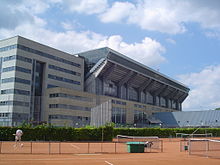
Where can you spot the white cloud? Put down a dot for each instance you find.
(213, 34)
(148, 51)
(205, 89)
(165, 16)
(87, 6)
(37, 7)
(117, 12)
(67, 25)
(11, 15)
(154, 15)
(171, 41)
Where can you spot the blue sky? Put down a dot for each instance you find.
(180, 38)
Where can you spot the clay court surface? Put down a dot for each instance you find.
(171, 155)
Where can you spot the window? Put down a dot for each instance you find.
(139, 106)
(17, 68)
(6, 48)
(118, 102)
(18, 57)
(4, 115)
(40, 53)
(63, 70)
(74, 97)
(118, 115)
(51, 86)
(9, 58)
(140, 117)
(14, 103)
(133, 95)
(63, 79)
(72, 107)
(16, 79)
(15, 91)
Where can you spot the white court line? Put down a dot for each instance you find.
(87, 154)
(75, 146)
(108, 163)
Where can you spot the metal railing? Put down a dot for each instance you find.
(54, 147)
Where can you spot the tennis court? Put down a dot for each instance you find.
(171, 155)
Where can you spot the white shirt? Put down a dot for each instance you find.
(19, 132)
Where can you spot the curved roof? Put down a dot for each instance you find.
(109, 64)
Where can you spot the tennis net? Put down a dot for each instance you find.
(124, 138)
(156, 143)
(204, 147)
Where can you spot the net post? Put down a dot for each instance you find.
(115, 147)
(1, 147)
(207, 147)
(31, 147)
(49, 147)
(189, 146)
(88, 147)
(59, 147)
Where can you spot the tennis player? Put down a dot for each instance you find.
(18, 135)
(148, 144)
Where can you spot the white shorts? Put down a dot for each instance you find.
(18, 138)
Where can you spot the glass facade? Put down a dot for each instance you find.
(140, 117)
(76, 121)
(0, 69)
(14, 103)
(118, 115)
(16, 79)
(63, 70)
(133, 94)
(7, 48)
(37, 91)
(49, 56)
(58, 78)
(74, 97)
(110, 89)
(15, 91)
(72, 107)
(16, 68)
(17, 57)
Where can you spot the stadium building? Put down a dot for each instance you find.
(41, 84)
(206, 118)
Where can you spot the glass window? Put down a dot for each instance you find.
(17, 68)
(63, 70)
(6, 48)
(63, 79)
(74, 97)
(40, 53)
(133, 94)
(23, 81)
(15, 91)
(118, 115)
(140, 117)
(72, 107)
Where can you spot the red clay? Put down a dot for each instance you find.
(170, 155)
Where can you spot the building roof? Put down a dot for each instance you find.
(112, 65)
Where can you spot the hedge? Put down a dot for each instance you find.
(45, 133)
(105, 133)
(163, 132)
